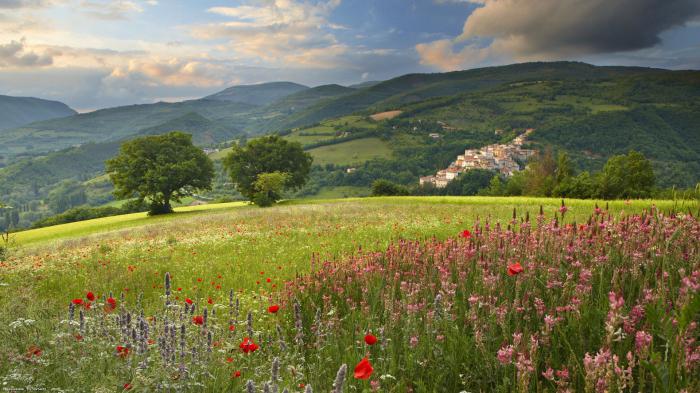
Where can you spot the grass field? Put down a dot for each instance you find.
(83, 228)
(351, 152)
(342, 192)
(255, 252)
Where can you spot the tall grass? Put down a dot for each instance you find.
(606, 300)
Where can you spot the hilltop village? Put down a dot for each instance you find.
(501, 158)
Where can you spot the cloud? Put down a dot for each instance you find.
(171, 72)
(15, 54)
(278, 32)
(553, 29)
(110, 9)
(15, 4)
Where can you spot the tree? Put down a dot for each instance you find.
(469, 182)
(626, 176)
(269, 188)
(495, 187)
(382, 187)
(581, 186)
(540, 177)
(564, 169)
(267, 155)
(160, 169)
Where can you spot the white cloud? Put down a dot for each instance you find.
(172, 72)
(110, 9)
(282, 32)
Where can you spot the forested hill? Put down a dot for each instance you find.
(18, 111)
(590, 112)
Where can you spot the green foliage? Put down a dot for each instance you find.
(582, 186)
(267, 155)
(495, 187)
(161, 169)
(626, 176)
(269, 187)
(68, 194)
(382, 187)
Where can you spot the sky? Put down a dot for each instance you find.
(95, 54)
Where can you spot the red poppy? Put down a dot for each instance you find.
(236, 374)
(465, 234)
(370, 339)
(77, 301)
(248, 345)
(127, 386)
(111, 303)
(198, 320)
(515, 269)
(268, 280)
(33, 350)
(210, 301)
(90, 296)
(231, 328)
(273, 309)
(188, 301)
(229, 359)
(78, 337)
(122, 351)
(364, 369)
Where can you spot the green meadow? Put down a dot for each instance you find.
(209, 250)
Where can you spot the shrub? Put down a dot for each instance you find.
(383, 187)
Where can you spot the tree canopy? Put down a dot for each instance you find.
(268, 155)
(160, 169)
(627, 176)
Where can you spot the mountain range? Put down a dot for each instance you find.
(18, 111)
(589, 111)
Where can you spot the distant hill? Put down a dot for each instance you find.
(364, 85)
(418, 87)
(117, 123)
(590, 112)
(275, 116)
(18, 111)
(261, 94)
(204, 131)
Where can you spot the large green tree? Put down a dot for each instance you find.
(626, 176)
(267, 155)
(160, 169)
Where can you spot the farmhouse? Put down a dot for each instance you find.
(500, 158)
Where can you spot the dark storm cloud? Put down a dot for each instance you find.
(569, 27)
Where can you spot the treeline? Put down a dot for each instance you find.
(623, 176)
(83, 213)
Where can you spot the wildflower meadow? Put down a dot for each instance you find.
(387, 295)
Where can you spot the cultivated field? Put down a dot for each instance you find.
(576, 299)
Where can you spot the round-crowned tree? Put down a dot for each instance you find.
(160, 169)
(259, 168)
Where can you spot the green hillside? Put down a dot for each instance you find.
(590, 112)
(261, 94)
(18, 111)
(353, 152)
(417, 87)
(111, 124)
(275, 116)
